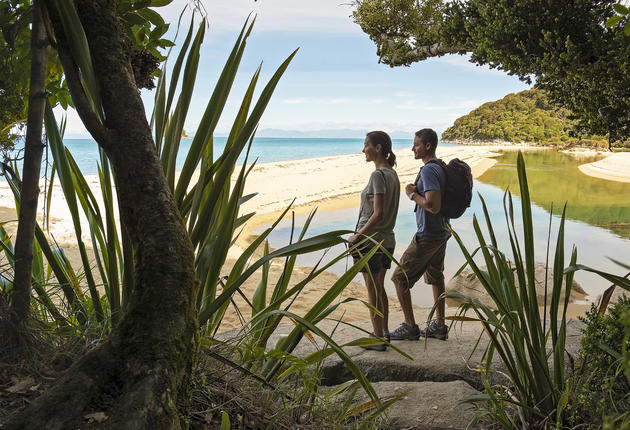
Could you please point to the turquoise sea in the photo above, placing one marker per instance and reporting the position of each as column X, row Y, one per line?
column 265, row 149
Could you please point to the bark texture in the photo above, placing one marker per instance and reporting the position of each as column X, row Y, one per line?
column 140, row 377
column 33, row 148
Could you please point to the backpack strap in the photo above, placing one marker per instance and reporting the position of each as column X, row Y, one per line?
column 442, row 164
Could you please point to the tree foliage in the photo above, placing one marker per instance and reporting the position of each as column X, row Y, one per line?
column 527, row 116
column 565, row 47
column 14, row 68
column 143, row 26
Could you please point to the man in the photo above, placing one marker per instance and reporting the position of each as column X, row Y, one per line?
column 425, row 254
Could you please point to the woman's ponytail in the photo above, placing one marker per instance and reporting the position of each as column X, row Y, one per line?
column 383, row 139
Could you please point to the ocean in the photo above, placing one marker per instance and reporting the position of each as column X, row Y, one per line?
column 265, row 149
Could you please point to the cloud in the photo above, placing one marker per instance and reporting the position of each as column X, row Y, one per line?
column 388, row 126
column 328, row 101
column 74, row 125
column 296, row 101
column 427, row 107
column 322, row 16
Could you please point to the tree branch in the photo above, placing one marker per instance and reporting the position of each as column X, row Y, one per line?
column 419, row 53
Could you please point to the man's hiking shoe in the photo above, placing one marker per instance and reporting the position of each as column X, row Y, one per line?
column 435, row 330
column 405, row 332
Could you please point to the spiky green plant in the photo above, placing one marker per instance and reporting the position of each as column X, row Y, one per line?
column 209, row 206
column 534, row 393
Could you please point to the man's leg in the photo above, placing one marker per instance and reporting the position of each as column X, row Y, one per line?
column 435, row 276
column 438, row 290
column 404, row 277
column 404, row 297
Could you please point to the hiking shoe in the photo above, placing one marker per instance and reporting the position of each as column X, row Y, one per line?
column 377, row 346
column 405, row 332
column 435, row 330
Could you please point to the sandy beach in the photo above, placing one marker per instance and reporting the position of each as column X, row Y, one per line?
column 328, row 183
column 614, row 167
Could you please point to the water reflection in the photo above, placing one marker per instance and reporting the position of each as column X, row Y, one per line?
column 554, row 177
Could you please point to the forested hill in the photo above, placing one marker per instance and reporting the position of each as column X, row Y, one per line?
column 522, row 117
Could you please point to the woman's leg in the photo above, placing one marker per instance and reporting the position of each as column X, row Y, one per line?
column 375, row 285
column 382, row 300
column 370, row 284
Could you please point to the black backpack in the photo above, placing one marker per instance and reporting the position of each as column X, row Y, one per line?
column 459, row 183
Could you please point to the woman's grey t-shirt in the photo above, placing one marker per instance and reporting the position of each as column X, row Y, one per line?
column 382, row 181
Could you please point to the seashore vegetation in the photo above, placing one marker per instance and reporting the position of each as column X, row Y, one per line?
column 527, row 117
column 76, row 309
column 540, row 385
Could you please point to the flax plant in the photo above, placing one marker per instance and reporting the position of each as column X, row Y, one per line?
column 209, row 204
column 533, row 392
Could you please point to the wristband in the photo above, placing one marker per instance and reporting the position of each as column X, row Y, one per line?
column 412, row 195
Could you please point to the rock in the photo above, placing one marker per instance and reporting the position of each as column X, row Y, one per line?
column 468, row 284
column 432, row 360
column 440, row 372
column 428, row 405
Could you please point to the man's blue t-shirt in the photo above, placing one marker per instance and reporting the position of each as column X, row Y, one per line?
column 431, row 226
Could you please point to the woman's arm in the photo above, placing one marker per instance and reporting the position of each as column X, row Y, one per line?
column 370, row 225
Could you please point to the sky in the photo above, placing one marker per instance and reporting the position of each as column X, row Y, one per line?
column 335, row 81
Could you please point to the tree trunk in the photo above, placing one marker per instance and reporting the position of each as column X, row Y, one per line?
column 33, row 148
column 140, row 377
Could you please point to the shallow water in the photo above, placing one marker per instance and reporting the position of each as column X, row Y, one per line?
column 554, row 177
column 598, row 213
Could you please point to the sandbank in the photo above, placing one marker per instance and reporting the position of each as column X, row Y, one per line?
column 336, row 182
column 614, row 167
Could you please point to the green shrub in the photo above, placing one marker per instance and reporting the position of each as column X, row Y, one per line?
column 599, row 389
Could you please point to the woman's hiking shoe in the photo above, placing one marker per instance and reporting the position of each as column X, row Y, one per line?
column 435, row 330
column 377, row 346
column 405, row 332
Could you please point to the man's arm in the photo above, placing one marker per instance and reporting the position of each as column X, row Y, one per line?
column 431, row 202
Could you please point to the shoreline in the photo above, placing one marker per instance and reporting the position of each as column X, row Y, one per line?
column 268, row 205
column 328, row 183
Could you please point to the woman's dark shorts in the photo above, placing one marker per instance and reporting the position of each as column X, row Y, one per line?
column 379, row 260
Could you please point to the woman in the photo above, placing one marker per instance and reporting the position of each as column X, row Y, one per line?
column 377, row 217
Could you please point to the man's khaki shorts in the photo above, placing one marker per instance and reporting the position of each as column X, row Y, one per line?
column 422, row 257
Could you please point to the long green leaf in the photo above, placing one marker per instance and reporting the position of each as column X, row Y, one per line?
column 211, row 115
column 75, row 36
